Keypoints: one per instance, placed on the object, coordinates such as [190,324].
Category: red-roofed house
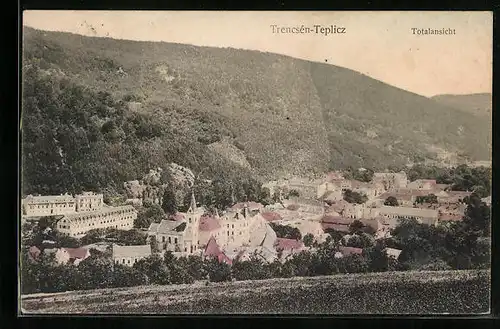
[336,223]
[76,255]
[288,244]
[271,216]
[212,250]
[209,226]
[34,253]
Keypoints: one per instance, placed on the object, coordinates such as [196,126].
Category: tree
[355,197]
[391,201]
[252,269]
[147,215]
[356,226]
[355,264]
[286,231]
[217,271]
[308,239]
[477,215]
[379,261]
[169,204]
[155,269]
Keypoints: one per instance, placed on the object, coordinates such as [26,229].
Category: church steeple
[192,205]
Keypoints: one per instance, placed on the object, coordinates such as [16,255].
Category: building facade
[49,205]
[129,255]
[88,201]
[79,223]
[53,205]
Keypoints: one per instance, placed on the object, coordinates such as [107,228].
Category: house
[423,184]
[426,216]
[129,255]
[391,252]
[288,245]
[209,226]
[61,255]
[391,180]
[77,255]
[34,253]
[336,223]
[305,227]
[212,250]
[450,197]
[271,216]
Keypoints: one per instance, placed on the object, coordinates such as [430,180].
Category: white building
[79,223]
[394,214]
[52,205]
[129,255]
[49,205]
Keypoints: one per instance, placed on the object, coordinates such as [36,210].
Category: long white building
[79,223]
[53,205]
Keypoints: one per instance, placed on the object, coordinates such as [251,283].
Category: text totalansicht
[314,29]
[429,31]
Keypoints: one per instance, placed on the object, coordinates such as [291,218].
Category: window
[123,261]
[185,249]
[227,233]
[128,261]
[163,239]
[169,240]
[233,226]
[175,240]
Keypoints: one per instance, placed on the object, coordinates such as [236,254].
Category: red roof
[208,223]
[336,220]
[271,216]
[177,217]
[213,250]
[34,252]
[288,244]
[77,253]
[346,251]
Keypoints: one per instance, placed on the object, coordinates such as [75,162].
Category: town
[350,218]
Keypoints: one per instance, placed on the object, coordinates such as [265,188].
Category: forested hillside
[98,111]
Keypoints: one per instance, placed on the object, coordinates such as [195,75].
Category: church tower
[192,205]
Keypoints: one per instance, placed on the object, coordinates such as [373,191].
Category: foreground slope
[454,292]
[287,116]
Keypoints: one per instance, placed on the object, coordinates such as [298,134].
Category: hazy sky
[378,44]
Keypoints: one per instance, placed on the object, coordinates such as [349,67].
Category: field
[453,292]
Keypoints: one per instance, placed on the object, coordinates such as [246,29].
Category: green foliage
[286,231]
[359,175]
[391,201]
[355,197]
[308,240]
[218,271]
[147,215]
[431,198]
[204,106]
[155,269]
[293,193]
[252,269]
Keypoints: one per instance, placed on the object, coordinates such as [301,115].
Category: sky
[379,44]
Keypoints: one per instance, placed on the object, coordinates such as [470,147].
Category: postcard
[218,162]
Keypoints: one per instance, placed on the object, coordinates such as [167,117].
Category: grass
[425,292]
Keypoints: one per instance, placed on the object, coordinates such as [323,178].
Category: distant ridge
[477,104]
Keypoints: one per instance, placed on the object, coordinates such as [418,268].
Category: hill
[478,104]
[453,292]
[144,104]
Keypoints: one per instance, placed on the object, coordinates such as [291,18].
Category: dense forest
[98,111]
